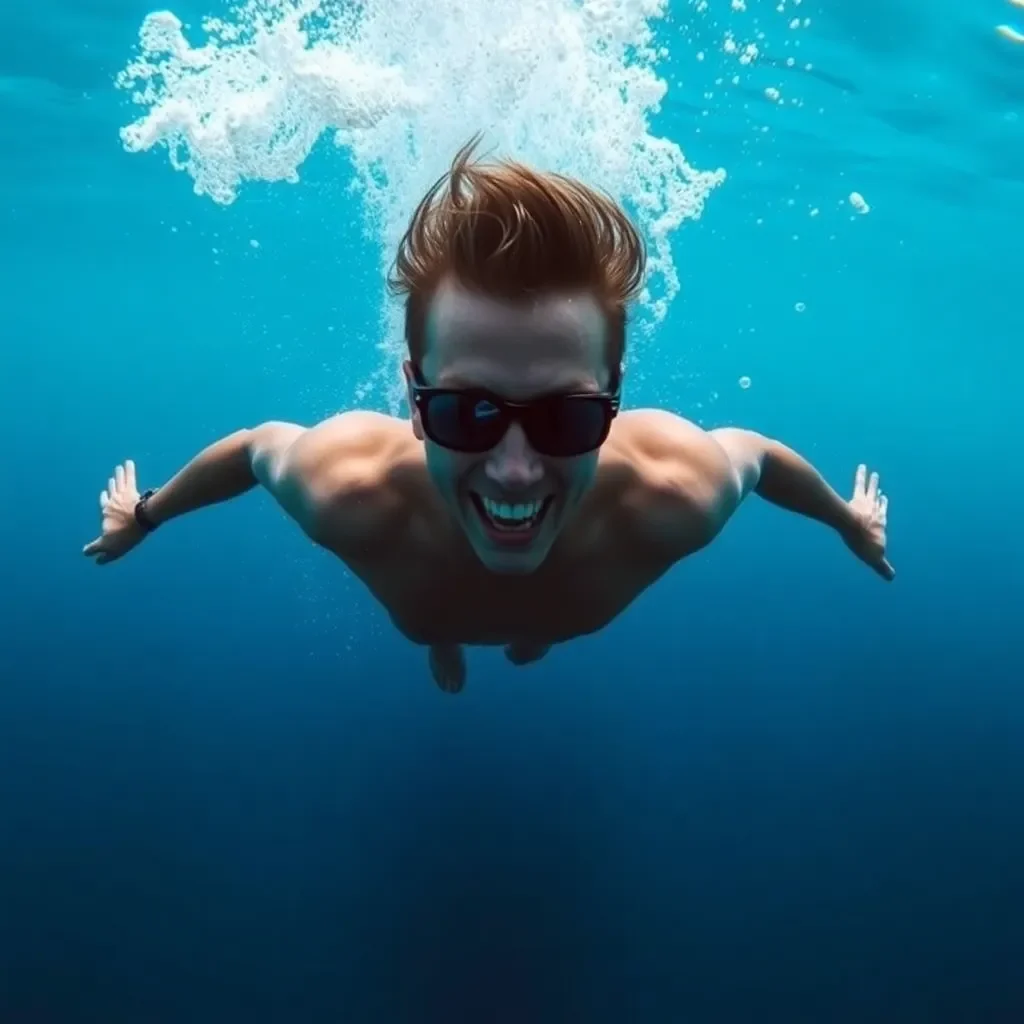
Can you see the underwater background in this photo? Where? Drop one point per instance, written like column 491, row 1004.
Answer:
column 776, row 789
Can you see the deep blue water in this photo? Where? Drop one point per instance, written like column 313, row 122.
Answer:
column 775, row 790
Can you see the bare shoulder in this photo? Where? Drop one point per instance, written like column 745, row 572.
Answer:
column 669, row 449
column 346, row 446
column 350, row 468
column 676, row 474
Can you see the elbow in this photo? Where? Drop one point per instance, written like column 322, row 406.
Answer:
column 257, row 449
column 747, row 452
column 266, row 446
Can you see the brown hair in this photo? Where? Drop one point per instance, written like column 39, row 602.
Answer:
column 506, row 230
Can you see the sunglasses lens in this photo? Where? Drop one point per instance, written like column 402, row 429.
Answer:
column 561, row 426
column 463, row 422
column 564, row 427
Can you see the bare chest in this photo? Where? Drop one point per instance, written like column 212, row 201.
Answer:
column 432, row 601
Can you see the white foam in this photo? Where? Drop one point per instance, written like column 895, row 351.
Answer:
column 567, row 85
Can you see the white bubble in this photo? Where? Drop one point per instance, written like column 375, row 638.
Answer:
column 772, row 93
column 859, row 203
column 254, row 243
column 800, row 307
column 560, row 84
column 744, row 382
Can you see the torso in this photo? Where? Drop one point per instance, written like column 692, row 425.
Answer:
column 437, row 592
column 432, row 601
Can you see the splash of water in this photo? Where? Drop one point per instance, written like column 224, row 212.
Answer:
column 567, row 85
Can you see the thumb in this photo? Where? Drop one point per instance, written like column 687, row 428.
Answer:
column 885, row 570
column 93, row 547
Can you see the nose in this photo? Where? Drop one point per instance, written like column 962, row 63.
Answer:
column 513, row 464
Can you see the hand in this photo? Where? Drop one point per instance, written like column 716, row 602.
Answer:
column 120, row 531
column 866, row 535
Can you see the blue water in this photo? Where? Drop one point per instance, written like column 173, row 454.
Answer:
column 776, row 789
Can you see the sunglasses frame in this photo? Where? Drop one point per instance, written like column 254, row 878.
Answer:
column 422, row 393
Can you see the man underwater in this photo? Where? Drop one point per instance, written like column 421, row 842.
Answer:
column 519, row 506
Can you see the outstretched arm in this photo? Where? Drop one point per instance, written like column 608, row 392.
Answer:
column 784, row 478
column 223, row 470
column 781, row 476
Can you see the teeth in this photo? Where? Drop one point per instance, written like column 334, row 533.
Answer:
column 514, row 517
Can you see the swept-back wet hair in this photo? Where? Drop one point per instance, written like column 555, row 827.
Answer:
column 505, row 230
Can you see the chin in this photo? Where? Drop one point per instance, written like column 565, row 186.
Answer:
column 507, row 563
column 513, row 560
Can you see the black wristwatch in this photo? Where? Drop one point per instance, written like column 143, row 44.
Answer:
column 141, row 515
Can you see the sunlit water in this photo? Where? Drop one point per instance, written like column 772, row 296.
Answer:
column 776, row 789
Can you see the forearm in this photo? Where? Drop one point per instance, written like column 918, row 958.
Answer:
column 218, row 473
column 788, row 480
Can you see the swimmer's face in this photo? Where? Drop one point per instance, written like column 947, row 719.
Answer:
column 512, row 499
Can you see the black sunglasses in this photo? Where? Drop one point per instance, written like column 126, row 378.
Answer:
column 474, row 420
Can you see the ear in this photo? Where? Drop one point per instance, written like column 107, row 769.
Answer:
column 414, row 413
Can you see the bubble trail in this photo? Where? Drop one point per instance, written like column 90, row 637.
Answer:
column 565, row 85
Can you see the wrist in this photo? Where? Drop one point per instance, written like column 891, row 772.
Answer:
column 144, row 513
column 846, row 522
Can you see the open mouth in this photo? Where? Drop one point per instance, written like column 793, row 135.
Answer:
column 508, row 521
